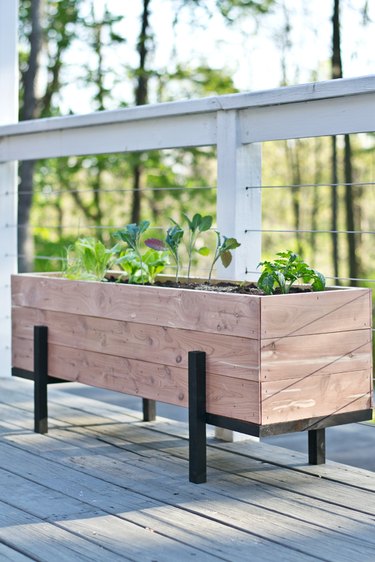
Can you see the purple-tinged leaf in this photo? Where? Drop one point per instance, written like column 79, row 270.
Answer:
column 156, row 244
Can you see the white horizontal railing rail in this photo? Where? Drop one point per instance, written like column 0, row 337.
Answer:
column 318, row 109
column 236, row 124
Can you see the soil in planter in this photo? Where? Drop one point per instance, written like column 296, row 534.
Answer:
column 219, row 287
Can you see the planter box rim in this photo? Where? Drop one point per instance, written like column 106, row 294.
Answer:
column 60, row 276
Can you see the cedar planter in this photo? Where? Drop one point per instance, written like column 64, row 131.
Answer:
column 270, row 359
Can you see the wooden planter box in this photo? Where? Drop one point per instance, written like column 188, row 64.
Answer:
column 270, row 359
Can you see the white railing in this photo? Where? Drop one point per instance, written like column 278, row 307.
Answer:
column 236, row 124
column 8, row 170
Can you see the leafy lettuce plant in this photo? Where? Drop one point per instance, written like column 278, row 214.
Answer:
column 153, row 263
column 223, row 252
column 131, row 236
column 285, row 270
column 88, row 259
column 196, row 225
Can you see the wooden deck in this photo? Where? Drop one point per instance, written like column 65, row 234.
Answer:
column 103, row 486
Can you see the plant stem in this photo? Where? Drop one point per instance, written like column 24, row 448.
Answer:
column 190, row 251
column 212, row 267
column 177, row 267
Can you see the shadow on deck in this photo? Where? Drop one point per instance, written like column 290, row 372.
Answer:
column 101, row 485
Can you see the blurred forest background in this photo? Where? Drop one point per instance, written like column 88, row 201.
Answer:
column 92, row 55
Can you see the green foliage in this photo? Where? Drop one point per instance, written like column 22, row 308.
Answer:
column 232, row 9
column 145, row 271
column 131, row 235
column 285, row 270
column 196, row 225
column 51, row 253
column 223, row 252
column 88, row 259
column 172, row 243
column 173, row 240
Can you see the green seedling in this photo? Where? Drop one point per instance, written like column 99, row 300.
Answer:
column 131, row 235
column 223, row 252
column 196, row 225
column 88, row 259
column 285, row 270
column 153, row 263
column 172, row 244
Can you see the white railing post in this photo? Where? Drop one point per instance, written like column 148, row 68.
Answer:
column 239, row 206
column 8, row 172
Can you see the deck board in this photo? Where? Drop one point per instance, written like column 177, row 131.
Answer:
column 102, row 485
column 8, row 554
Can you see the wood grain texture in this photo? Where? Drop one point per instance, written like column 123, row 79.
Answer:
column 227, row 355
column 138, row 378
column 317, row 354
column 233, row 398
column 203, row 311
column 314, row 396
column 22, row 353
column 225, row 396
column 315, row 313
column 269, row 359
column 101, row 459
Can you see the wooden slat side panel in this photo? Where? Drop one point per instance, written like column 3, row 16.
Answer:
column 22, row 353
column 226, row 355
column 318, row 354
column 315, row 313
column 231, row 397
column 321, row 395
column 138, row 378
column 202, row 311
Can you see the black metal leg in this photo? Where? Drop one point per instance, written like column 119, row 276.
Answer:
column 317, row 446
column 197, row 417
column 149, row 409
column 40, row 379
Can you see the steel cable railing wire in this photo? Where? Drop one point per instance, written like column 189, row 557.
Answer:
column 307, row 231
column 319, row 185
column 88, row 190
column 90, row 227
column 181, row 188
column 248, row 230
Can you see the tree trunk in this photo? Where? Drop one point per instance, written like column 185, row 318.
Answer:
column 349, row 211
column 315, row 197
column 334, row 211
column 292, row 157
column 30, row 110
column 337, row 72
column 141, row 98
column 25, row 199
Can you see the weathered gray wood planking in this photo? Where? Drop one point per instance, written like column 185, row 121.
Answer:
column 106, row 486
column 10, row 555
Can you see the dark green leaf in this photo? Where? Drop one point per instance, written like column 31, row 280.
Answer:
column 319, row 282
column 266, row 283
column 206, row 223
column 196, row 221
column 226, row 258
